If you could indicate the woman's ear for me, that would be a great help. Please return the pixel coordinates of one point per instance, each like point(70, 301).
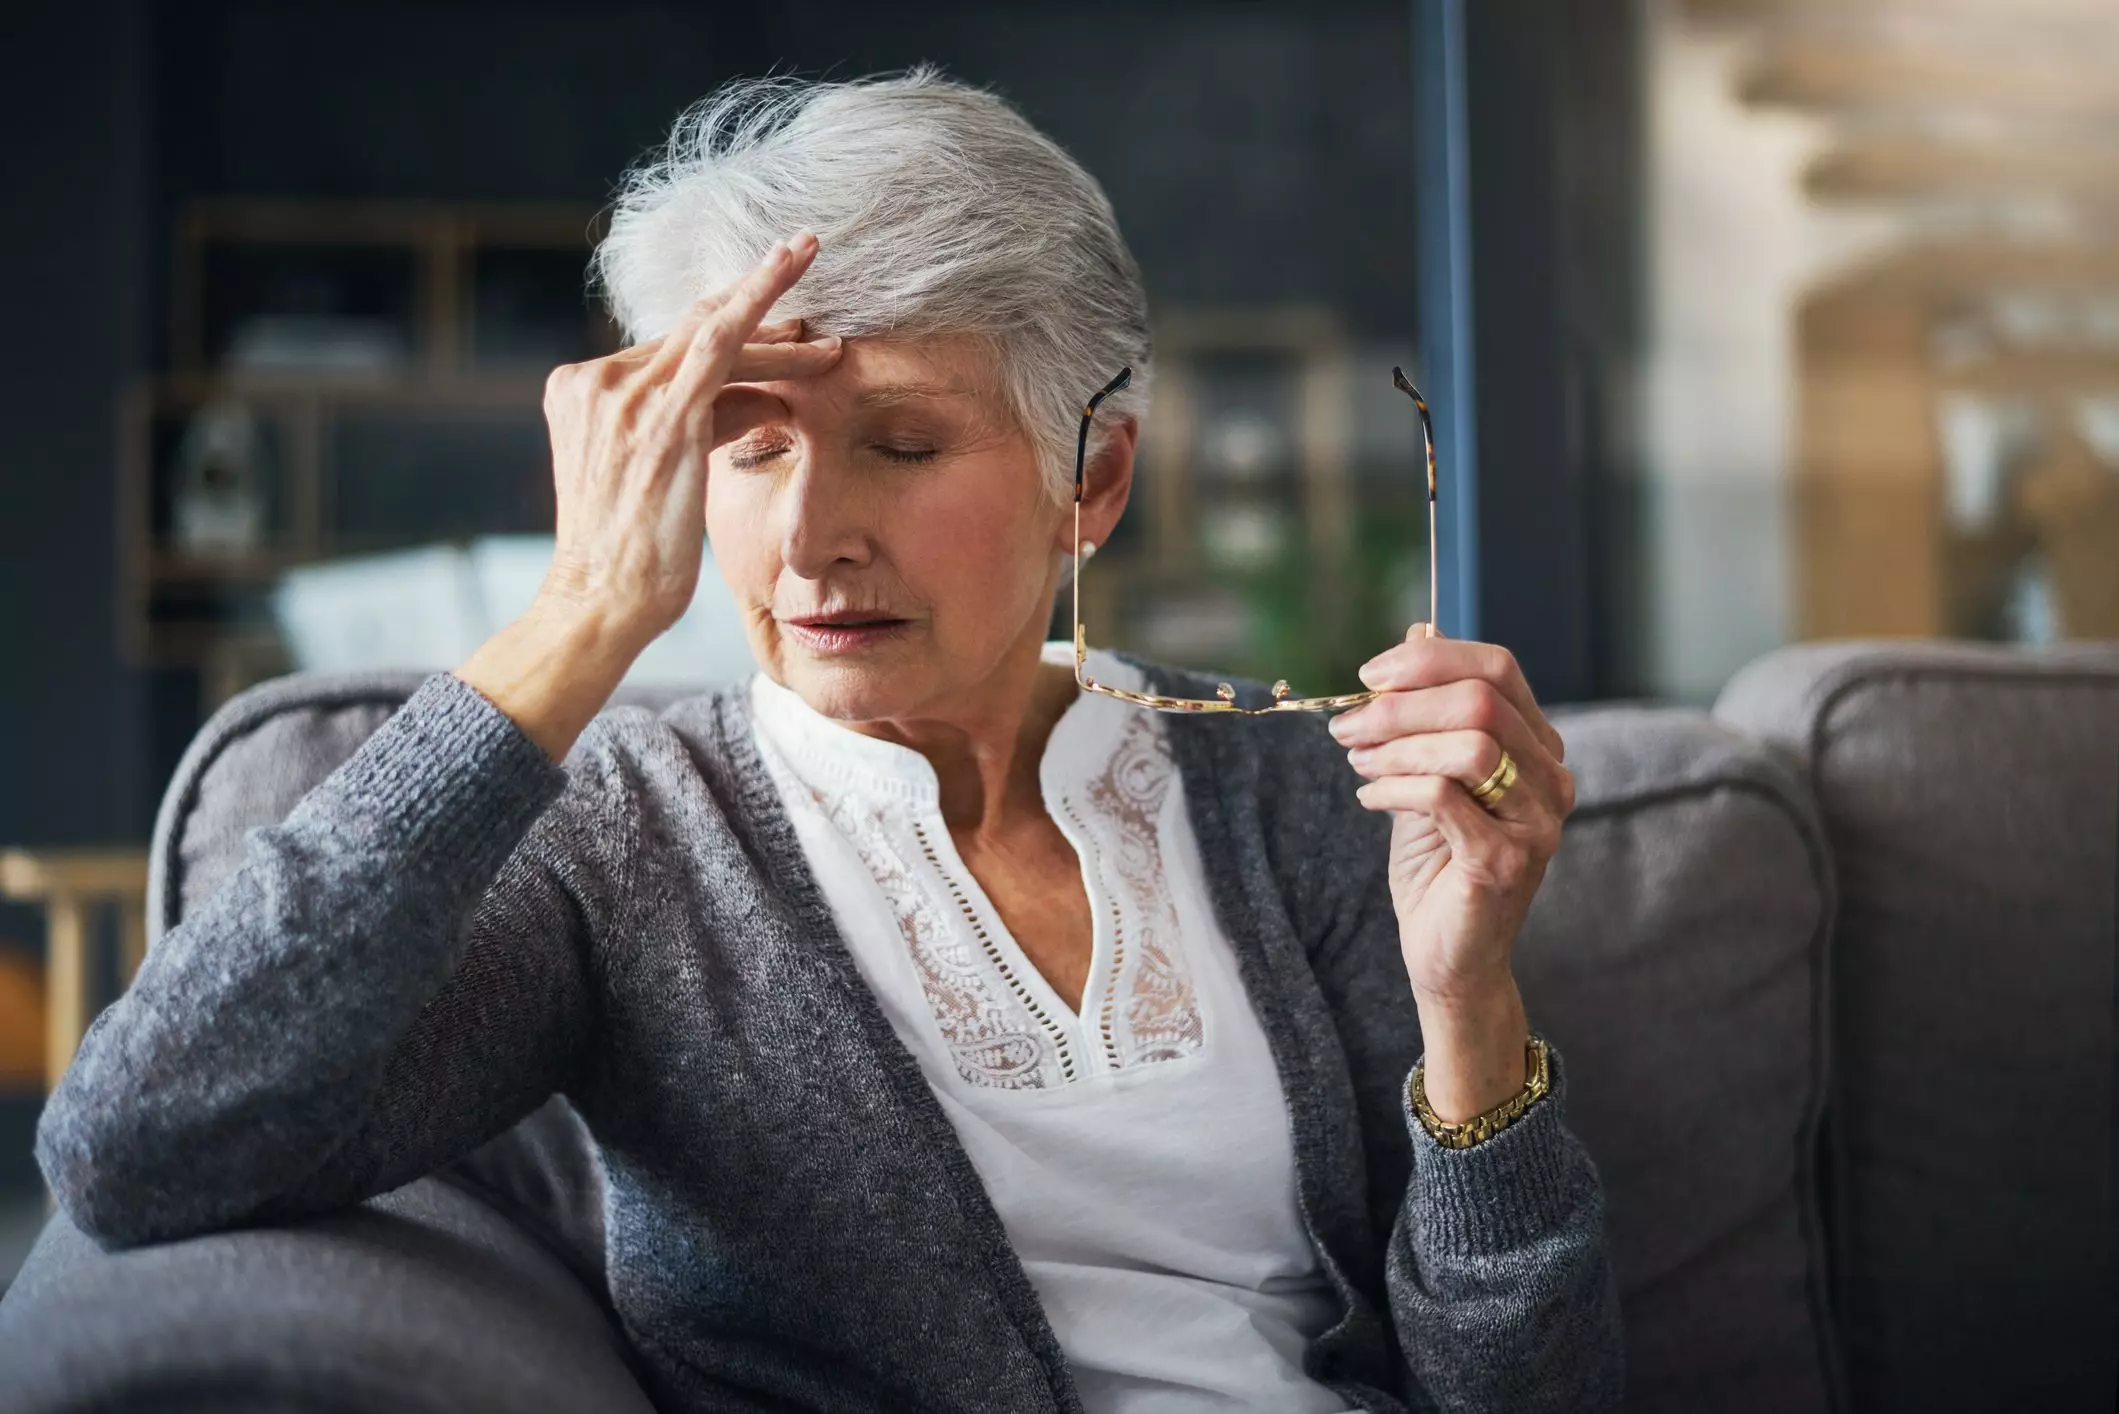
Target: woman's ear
point(1107, 482)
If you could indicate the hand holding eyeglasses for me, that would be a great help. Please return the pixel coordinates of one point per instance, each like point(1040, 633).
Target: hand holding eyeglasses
point(1462, 873)
point(1456, 749)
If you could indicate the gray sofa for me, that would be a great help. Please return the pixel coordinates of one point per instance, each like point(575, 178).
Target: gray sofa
point(1833, 967)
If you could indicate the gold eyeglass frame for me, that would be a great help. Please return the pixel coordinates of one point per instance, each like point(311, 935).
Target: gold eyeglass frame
point(1225, 700)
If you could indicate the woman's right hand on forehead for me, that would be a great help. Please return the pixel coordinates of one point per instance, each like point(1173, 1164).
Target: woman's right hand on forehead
point(630, 435)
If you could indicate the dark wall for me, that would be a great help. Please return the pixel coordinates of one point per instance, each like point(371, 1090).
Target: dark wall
point(462, 101)
point(74, 248)
point(1255, 152)
point(1602, 181)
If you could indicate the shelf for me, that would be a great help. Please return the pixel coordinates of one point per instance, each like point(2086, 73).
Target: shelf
point(171, 567)
point(2043, 374)
point(412, 289)
point(383, 366)
point(264, 221)
point(411, 387)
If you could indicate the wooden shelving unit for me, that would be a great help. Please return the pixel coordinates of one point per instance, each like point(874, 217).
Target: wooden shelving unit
point(460, 312)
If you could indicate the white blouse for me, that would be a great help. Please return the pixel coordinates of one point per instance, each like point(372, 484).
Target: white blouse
point(1137, 1150)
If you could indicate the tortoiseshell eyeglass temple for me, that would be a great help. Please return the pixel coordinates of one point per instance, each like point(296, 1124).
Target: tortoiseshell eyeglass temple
point(1225, 699)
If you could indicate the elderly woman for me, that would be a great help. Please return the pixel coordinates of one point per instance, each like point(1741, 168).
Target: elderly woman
point(952, 1037)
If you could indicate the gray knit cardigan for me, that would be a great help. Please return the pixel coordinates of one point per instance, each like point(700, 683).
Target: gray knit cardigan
point(450, 929)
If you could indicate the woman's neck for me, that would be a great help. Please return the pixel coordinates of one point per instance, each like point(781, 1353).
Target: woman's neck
point(987, 754)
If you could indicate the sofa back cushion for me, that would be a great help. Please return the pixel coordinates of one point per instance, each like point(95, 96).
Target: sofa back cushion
point(254, 760)
point(1677, 955)
point(248, 767)
point(1971, 796)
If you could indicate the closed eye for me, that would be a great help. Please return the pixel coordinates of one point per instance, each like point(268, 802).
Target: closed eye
point(755, 454)
point(745, 456)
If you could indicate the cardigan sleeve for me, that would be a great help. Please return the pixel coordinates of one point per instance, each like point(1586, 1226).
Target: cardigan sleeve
point(393, 975)
point(1500, 1282)
point(1497, 1273)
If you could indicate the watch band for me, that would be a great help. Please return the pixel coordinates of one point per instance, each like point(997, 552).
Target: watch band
point(1537, 1062)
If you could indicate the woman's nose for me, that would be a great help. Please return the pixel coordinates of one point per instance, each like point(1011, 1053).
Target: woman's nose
point(821, 519)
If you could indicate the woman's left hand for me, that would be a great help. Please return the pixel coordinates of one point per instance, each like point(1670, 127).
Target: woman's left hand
point(1462, 875)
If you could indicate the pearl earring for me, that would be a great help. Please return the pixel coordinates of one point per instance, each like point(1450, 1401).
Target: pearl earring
point(1088, 548)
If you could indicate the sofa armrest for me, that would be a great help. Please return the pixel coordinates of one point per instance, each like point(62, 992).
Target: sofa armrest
point(423, 1299)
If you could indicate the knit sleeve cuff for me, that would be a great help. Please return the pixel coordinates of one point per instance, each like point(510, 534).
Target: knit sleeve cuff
point(1504, 1191)
point(450, 771)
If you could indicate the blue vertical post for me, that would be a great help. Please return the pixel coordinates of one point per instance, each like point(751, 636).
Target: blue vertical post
point(1443, 213)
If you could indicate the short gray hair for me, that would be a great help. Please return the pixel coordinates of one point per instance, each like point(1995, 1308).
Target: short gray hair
point(939, 210)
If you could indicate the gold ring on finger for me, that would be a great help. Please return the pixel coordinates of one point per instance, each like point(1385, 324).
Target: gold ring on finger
point(1489, 791)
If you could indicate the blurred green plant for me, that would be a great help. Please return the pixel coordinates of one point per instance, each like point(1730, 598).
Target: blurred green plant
point(1315, 623)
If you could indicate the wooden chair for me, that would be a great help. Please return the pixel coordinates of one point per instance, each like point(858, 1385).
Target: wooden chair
point(71, 885)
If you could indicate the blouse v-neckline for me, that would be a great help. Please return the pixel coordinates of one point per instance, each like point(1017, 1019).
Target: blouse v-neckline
point(1105, 774)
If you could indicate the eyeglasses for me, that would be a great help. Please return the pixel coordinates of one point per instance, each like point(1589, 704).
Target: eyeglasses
point(1225, 698)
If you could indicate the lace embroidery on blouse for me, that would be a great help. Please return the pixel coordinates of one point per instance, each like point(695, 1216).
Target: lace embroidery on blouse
point(992, 1034)
point(1152, 1013)
point(997, 1031)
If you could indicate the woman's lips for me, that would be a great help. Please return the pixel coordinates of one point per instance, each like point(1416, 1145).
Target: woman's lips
point(846, 637)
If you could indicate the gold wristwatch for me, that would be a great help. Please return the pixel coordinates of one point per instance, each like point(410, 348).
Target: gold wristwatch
point(1501, 1116)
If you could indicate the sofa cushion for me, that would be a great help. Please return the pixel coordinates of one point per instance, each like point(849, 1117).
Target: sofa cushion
point(1971, 797)
point(424, 1299)
point(254, 759)
point(1676, 954)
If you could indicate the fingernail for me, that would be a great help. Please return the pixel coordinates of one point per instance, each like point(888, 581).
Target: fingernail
point(1370, 674)
point(1337, 727)
point(830, 341)
point(803, 239)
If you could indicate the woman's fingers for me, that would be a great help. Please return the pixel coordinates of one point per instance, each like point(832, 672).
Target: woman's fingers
point(775, 351)
point(724, 331)
point(1422, 661)
point(1489, 853)
point(779, 331)
point(661, 357)
point(656, 358)
point(1457, 731)
point(650, 366)
point(762, 362)
point(1543, 790)
point(1467, 757)
point(1468, 704)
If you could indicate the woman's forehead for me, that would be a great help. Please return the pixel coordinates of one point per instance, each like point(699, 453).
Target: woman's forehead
point(879, 373)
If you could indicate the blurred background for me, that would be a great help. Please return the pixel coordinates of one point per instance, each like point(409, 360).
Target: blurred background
point(1747, 321)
